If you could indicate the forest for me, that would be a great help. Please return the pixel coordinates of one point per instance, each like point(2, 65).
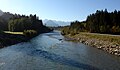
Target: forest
point(100, 22)
point(28, 26)
point(22, 23)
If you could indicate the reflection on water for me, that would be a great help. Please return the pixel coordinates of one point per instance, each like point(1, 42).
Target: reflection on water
point(51, 52)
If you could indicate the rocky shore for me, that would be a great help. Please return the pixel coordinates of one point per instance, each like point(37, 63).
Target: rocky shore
point(110, 47)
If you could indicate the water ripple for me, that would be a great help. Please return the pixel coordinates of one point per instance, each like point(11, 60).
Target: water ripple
point(61, 59)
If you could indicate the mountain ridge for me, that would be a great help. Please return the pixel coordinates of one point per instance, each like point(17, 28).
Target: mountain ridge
point(55, 23)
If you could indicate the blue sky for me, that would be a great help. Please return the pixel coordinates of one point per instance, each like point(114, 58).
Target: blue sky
point(61, 10)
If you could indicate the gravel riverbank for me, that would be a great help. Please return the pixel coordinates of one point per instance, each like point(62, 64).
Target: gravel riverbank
point(103, 44)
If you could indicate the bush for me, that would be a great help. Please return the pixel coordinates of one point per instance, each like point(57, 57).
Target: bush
point(30, 33)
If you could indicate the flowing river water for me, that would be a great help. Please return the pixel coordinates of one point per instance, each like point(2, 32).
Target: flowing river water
point(50, 51)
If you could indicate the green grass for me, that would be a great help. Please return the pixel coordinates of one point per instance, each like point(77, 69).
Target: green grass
point(104, 37)
point(21, 33)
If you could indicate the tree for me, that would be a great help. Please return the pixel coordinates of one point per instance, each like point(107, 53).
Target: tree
point(27, 23)
point(103, 21)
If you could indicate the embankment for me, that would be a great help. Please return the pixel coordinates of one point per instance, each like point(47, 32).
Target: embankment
point(11, 39)
point(108, 43)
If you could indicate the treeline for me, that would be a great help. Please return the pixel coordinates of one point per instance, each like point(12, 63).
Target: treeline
point(99, 22)
point(74, 28)
point(31, 26)
point(21, 23)
point(104, 22)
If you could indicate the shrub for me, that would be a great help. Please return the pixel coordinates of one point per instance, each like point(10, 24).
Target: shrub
point(30, 33)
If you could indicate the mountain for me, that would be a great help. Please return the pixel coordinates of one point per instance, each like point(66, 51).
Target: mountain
point(62, 23)
point(6, 16)
point(50, 23)
point(55, 23)
point(1, 12)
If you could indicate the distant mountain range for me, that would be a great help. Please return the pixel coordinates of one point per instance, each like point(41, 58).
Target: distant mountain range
point(50, 23)
point(54, 23)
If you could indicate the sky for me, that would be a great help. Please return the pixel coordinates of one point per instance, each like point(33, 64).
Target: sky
point(60, 10)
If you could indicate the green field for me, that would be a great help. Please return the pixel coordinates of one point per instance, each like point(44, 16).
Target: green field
point(21, 33)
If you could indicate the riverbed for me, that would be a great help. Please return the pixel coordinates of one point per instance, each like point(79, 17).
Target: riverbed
point(50, 51)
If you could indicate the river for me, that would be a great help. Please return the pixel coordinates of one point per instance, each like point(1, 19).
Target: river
point(50, 51)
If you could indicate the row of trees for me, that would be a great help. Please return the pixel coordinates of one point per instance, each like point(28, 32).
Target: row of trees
point(104, 22)
point(24, 23)
point(29, 25)
point(99, 22)
point(74, 28)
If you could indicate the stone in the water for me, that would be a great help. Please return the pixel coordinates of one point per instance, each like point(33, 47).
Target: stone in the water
point(60, 39)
